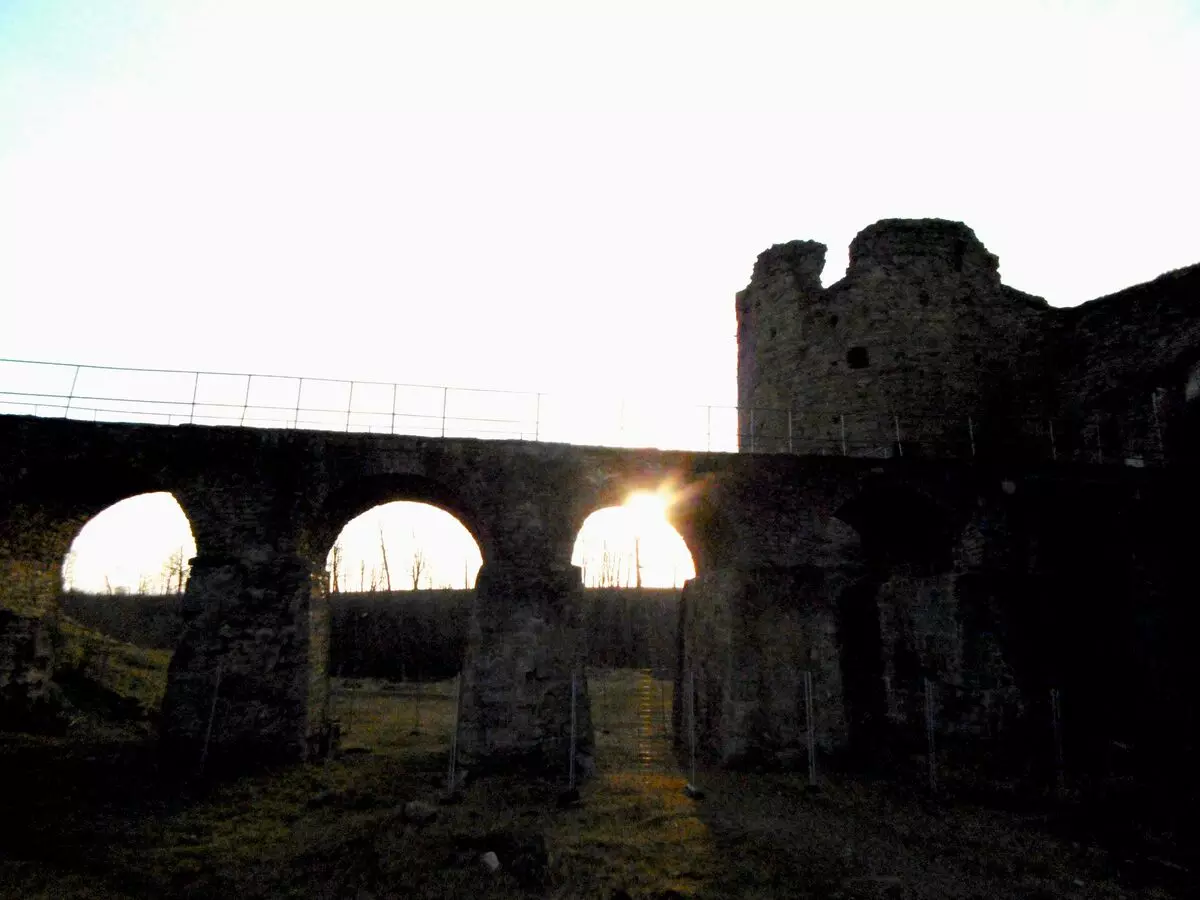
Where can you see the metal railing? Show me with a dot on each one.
(175, 397)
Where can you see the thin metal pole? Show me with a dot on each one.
(299, 391)
(752, 429)
(899, 445)
(692, 721)
(662, 702)
(929, 734)
(842, 420)
(349, 405)
(1099, 449)
(571, 776)
(454, 734)
(810, 726)
(1157, 424)
(537, 418)
(1053, 447)
(971, 432)
(195, 391)
(212, 714)
(1056, 724)
(246, 402)
(393, 431)
(708, 427)
(70, 396)
(445, 399)
(789, 423)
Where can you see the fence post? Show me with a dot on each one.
(454, 735)
(789, 424)
(212, 714)
(1053, 447)
(929, 734)
(246, 402)
(571, 776)
(349, 405)
(899, 445)
(971, 433)
(1056, 725)
(195, 391)
(842, 420)
(1157, 425)
(70, 396)
(393, 430)
(445, 400)
(537, 418)
(811, 728)
(692, 723)
(299, 391)
(708, 429)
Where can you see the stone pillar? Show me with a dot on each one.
(248, 678)
(750, 634)
(524, 641)
(32, 548)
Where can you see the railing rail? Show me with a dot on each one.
(175, 397)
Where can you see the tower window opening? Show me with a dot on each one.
(858, 358)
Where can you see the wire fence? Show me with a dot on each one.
(178, 397)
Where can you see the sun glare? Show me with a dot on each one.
(650, 508)
(633, 545)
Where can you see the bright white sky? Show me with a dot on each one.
(558, 196)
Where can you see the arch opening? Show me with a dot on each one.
(123, 582)
(400, 581)
(634, 564)
(633, 545)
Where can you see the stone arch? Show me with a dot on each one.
(42, 515)
(693, 512)
(95, 519)
(353, 498)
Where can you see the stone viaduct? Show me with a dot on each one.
(997, 576)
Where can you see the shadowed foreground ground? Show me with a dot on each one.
(83, 817)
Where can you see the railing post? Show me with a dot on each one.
(537, 418)
(971, 432)
(299, 391)
(789, 423)
(246, 402)
(70, 396)
(1053, 447)
(842, 420)
(899, 444)
(708, 429)
(195, 391)
(445, 399)
(393, 431)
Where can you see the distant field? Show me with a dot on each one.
(86, 819)
(404, 635)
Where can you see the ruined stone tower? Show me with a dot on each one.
(919, 349)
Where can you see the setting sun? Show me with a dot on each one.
(633, 545)
(648, 507)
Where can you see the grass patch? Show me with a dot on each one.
(95, 823)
